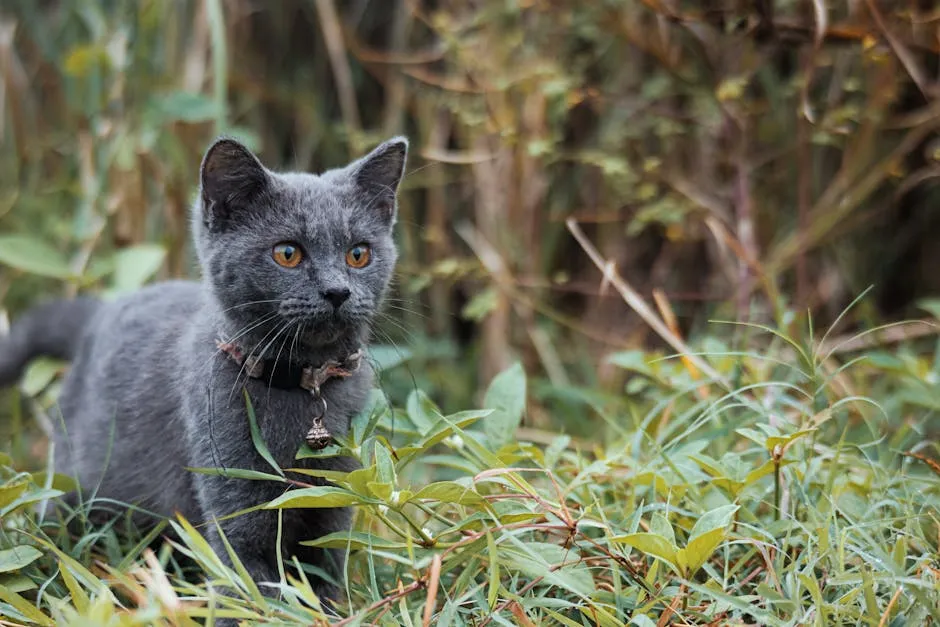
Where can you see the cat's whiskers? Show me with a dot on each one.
(248, 358)
(384, 317)
(406, 310)
(287, 326)
(245, 330)
(250, 303)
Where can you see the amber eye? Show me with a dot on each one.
(287, 254)
(358, 256)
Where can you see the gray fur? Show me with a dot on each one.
(148, 392)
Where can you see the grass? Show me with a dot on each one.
(798, 488)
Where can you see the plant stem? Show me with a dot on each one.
(776, 489)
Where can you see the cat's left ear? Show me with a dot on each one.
(379, 173)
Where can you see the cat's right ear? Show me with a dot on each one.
(231, 178)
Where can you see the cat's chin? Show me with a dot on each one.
(328, 334)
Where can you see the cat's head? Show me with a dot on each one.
(299, 255)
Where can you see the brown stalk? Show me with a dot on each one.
(632, 298)
(339, 63)
(900, 50)
(434, 579)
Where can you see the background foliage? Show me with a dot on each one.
(592, 185)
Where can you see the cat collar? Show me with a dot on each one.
(293, 375)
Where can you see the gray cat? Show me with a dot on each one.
(295, 266)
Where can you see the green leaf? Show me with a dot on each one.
(384, 357)
(784, 441)
(316, 497)
(135, 265)
(422, 411)
(708, 532)
(652, 544)
(34, 256)
(506, 396)
(238, 473)
(78, 594)
(183, 106)
(492, 592)
(449, 492)
(660, 526)
(24, 607)
(481, 305)
(691, 558)
(18, 557)
(12, 490)
(634, 360)
(256, 438)
(355, 540)
(64, 483)
(384, 465)
(717, 518)
(17, 582)
(537, 559)
(39, 374)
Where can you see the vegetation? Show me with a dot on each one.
(638, 236)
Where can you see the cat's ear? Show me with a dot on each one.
(379, 173)
(231, 177)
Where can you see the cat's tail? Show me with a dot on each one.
(53, 329)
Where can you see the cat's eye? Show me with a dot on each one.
(358, 256)
(287, 254)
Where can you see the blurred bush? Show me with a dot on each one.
(738, 160)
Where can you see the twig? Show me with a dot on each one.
(903, 54)
(434, 578)
(387, 600)
(339, 63)
(636, 302)
(887, 614)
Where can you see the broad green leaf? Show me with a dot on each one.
(316, 497)
(755, 436)
(18, 557)
(382, 491)
(24, 607)
(634, 360)
(17, 583)
(238, 473)
(78, 594)
(384, 465)
(506, 396)
(34, 256)
(718, 518)
(39, 374)
(422, 411)
(257, 438)
(355, 540)
(64, 483)
(492, 591)
(651, 544)
(443, 428)
(449, 492)
(28, 498)
(697, 552)
(135, 265)
(183, 106)
(784, 440)
(767, 468)
(537, 559)
(660, 526)
(12, 490)
(708, 532)
(384, 357)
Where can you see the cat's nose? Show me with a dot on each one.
(336, 296)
